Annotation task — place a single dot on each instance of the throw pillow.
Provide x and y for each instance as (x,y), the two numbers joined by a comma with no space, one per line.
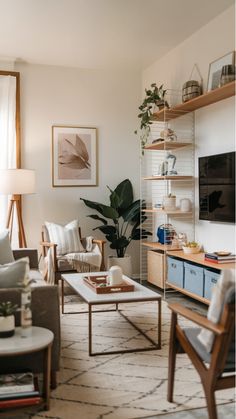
(66,237)
(12,274)
(6,255)
(219,292)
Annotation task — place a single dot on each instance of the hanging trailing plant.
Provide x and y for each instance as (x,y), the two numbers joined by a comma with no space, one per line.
(155,97)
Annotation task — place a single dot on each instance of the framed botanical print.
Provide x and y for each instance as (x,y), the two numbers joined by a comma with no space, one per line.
(74,156)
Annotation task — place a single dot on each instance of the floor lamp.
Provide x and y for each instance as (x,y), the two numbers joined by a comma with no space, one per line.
(16,182)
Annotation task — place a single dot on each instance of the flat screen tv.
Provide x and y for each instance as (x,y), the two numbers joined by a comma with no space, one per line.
(217,187)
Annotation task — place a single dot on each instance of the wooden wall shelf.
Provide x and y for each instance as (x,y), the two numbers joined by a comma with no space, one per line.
(188,293)
(162,210)
(159,246)
(206,99)
(167,145)
(199,258)
(173,177)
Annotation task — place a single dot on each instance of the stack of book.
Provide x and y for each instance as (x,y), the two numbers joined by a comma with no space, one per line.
(19,389)
(215,258)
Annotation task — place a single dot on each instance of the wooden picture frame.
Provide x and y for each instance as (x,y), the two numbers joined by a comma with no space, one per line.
(215,69)
(74,156)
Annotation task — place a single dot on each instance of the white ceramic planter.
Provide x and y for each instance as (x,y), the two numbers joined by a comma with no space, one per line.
(124,263)
(7,326)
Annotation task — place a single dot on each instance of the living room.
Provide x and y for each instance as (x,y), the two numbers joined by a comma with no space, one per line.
(79,69)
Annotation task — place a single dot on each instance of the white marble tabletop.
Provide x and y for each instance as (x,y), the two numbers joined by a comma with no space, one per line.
(140,292)
(40,338)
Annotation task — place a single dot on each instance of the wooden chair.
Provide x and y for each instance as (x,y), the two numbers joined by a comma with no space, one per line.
(210,366)
(60,265)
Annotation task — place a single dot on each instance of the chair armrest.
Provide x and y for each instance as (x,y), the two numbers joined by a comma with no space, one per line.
(101,244)
(99,241)
(48,244)
(32,254)
(196,318)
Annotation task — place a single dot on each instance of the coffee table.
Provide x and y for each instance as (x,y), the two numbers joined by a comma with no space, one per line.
(139,295)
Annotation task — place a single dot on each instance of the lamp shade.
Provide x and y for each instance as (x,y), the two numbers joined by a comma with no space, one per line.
(17,181)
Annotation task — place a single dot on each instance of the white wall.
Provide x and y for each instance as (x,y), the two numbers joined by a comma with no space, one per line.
(215,124)
(65,96)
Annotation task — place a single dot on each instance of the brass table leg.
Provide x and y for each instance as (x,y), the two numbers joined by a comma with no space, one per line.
(90,329)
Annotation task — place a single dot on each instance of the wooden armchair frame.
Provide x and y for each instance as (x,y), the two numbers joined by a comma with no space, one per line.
(46,245)
(211,377)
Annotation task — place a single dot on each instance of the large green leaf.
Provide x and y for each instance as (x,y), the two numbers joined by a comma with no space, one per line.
(119,243)
(105,210)
(139,234)
(132,214)
(107,229)
(96,217)
(125,191)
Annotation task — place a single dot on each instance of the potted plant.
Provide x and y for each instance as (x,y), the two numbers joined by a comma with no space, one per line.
(124,218)
(7,319)
(155,97)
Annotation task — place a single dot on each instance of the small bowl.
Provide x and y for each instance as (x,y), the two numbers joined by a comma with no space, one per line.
(191,250)
(222,253)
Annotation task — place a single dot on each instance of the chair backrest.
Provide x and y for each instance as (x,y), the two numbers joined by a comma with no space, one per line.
(223,350)
(45,234)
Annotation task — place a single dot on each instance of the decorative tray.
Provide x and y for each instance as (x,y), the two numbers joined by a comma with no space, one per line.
(99,285)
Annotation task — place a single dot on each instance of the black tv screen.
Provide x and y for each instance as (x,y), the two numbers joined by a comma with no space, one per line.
(217,187)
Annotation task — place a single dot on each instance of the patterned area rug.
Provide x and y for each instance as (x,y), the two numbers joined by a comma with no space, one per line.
(123,386)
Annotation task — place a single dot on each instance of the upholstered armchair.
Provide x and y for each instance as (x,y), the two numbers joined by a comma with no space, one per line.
(210,346)
(80,257)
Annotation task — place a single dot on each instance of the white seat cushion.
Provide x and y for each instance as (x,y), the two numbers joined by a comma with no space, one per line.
(66,237)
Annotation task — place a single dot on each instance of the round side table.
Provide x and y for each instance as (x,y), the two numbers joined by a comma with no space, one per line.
(40,340)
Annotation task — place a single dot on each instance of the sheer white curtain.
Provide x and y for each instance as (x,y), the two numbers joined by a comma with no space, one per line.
(7,134)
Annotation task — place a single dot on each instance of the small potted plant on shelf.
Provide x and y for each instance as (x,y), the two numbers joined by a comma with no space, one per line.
(125,216)
(7,319)
(155,97)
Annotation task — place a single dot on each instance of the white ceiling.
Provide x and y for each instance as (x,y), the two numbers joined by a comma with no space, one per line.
(100,33)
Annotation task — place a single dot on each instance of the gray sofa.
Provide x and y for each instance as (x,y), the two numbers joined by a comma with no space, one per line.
(45,313)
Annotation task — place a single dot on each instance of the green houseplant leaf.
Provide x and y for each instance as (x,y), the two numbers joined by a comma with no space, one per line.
(125,214)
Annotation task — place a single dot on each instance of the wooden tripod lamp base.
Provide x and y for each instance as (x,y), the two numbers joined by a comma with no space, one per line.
(16,182)
(15,203)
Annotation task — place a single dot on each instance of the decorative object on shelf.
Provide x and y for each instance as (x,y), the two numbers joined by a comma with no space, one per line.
(126,216)
(155,97)
(171,160)
(215,70)
(191,247)
(182,239)
(185,205)
(165,233)
(168,135)
(169,202)
(227,74)
(166,167)
(192,88)
(74,156)
(222,253)
(7,319)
